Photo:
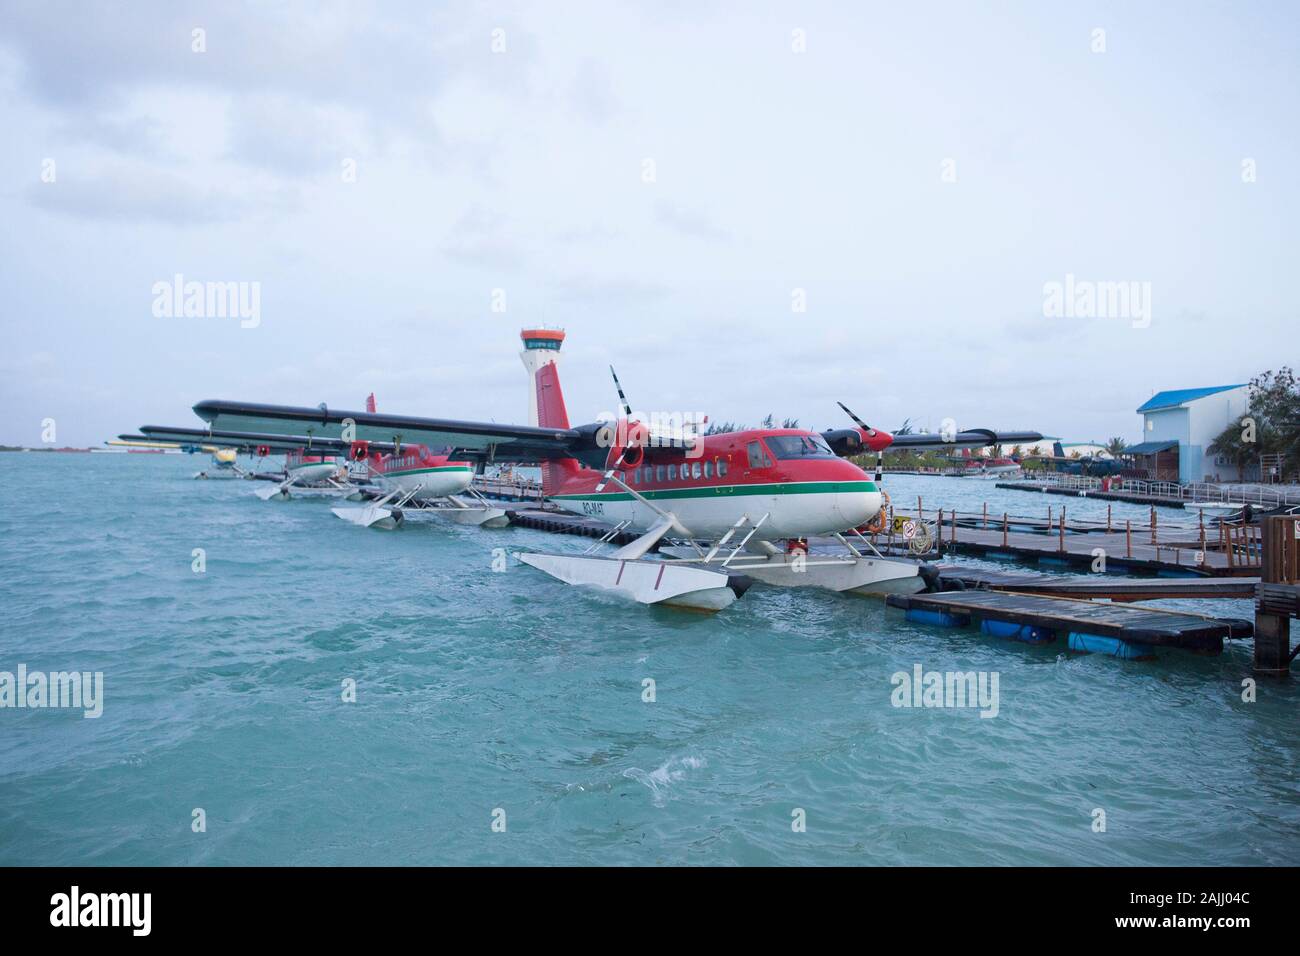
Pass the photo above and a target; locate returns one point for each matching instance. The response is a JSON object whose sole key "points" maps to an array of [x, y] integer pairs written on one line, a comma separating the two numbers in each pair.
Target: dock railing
{"points": [[515, 489], [1258, 496], [1190, 542]]}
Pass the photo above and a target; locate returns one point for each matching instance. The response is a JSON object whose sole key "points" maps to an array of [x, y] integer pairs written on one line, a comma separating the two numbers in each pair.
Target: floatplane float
{"points": [[706, 498]]}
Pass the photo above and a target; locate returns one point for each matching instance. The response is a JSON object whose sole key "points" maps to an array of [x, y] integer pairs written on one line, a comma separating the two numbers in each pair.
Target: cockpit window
{"points": [[799, 446]]}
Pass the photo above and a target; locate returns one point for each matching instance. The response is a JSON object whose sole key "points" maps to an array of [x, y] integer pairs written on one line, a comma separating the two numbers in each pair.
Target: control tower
{"points": [[541, 347]]}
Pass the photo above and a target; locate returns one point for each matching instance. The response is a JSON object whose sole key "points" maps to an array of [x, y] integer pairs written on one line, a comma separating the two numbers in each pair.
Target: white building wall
{"points": [[1209, 416]]}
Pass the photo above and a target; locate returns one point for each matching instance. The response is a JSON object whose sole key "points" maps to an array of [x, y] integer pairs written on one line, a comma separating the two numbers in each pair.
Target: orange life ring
{"points": [[877, 524]]}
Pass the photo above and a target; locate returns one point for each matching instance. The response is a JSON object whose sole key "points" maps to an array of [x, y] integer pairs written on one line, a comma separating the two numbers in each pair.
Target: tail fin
{"points": [[1057, 450], [551, 413], [370, 403]]}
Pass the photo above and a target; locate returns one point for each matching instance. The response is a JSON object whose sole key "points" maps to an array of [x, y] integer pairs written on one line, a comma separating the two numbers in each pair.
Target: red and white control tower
{"points": [[541, 347]]}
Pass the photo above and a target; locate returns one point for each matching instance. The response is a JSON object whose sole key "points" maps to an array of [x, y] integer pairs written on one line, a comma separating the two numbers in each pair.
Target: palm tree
{"points": [[1116, 447]]}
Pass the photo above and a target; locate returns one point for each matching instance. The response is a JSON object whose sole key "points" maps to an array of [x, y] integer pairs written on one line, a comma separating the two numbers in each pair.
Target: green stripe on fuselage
{"points": [[424, 471], [732, 491]]}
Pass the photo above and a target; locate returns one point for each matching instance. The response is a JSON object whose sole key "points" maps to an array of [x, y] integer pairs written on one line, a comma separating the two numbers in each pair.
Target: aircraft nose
{"points": [[857, 508]]}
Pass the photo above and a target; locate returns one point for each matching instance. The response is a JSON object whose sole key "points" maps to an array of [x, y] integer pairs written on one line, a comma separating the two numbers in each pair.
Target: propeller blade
{"points": [[622, 399], [857, 421], [610, 474]]}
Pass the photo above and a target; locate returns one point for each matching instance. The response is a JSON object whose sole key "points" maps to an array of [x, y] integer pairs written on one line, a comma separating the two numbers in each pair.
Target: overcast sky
{"points": [[525, 170]]}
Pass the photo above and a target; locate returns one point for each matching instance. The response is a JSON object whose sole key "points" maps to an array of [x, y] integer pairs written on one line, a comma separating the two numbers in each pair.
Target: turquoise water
{"points": [[479, 691]]}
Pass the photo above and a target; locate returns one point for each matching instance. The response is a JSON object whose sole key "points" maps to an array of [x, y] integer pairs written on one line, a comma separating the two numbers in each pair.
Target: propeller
{"points": [[857, 421], [871, 433]]}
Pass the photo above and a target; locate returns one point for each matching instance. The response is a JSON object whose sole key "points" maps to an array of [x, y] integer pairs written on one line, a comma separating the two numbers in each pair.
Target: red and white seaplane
{"points": [[414, 478], [716, 495], [410, 477]]}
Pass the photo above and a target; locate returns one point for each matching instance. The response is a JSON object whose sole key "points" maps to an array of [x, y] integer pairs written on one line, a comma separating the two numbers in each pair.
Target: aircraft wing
{"points": [[971, 438], [467, 440], [244, 442]]}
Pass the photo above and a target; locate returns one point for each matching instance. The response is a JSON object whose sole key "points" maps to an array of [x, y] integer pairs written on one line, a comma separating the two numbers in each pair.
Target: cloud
{"points": [[687, 222], [123, 194], [480, 238], [592, 93], [609, 292]]}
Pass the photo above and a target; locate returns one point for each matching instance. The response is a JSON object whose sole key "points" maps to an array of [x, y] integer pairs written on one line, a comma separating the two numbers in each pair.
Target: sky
{"points": [[744, 207]]}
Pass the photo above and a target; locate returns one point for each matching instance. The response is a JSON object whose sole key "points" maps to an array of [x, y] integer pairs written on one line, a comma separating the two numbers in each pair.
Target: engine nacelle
{"points": [[626, 439], [632, 457], [359, 451], [846, 442]]}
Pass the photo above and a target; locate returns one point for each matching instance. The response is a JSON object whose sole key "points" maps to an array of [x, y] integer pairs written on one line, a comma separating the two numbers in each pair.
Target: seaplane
{"points": [[415, 479], [1097, 466], [224, 463], [707, 498], [410, 476], [967, 465]]}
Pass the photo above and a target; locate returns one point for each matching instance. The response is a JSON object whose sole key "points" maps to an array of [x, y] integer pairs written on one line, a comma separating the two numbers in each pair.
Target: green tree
{"points": [[1271, 425], [1116, 447]]}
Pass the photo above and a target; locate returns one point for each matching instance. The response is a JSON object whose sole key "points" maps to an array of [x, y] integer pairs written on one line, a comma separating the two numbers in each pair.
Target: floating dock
{"points": [[954, 577], [1119, 630], [1131, 497], [561, 522]]}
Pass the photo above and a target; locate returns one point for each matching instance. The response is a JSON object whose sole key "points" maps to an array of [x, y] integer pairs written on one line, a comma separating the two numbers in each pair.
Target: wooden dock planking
{"points": [[1098, 586], [1125, 622]]}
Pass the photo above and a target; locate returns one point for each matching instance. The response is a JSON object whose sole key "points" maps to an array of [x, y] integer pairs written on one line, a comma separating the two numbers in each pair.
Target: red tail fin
{"points": [[551, 413], [370, 403]]}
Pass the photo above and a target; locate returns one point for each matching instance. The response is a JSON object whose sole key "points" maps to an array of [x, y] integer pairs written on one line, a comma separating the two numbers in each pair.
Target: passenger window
{"points": [[672, 472], [695, 470], [722, 468], [757, 458], [659, 473], [708, 469]]}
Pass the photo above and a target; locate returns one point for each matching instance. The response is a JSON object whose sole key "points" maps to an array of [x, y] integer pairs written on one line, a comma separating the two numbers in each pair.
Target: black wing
{"points": [[466, 440]]}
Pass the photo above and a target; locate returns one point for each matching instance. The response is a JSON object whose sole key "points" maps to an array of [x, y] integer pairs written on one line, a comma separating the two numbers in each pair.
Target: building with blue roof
{"points": [[1179, 424]]}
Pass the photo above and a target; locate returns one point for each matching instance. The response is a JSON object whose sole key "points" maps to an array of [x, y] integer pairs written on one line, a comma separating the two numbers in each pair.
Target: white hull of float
{"points": [[645, 581], [482, 517], [864, 575], [391, 510], [370, 516]]}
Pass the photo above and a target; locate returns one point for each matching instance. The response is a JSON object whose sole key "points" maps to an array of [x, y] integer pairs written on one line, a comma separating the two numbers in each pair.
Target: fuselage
{"points": [[416, 469], [790, 475], [304, 465]]}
